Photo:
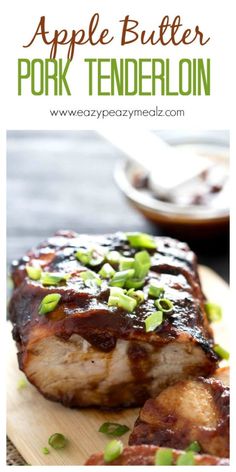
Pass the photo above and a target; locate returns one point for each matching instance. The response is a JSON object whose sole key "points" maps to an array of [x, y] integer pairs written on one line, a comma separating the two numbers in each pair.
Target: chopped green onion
{"points": [[221, 352], [118, 298], [113, 257], [134, 283], [33, 273], [49, 303], [194, 446], [155, 291], [136, 294], [187, 458], [84, 256], [141, 240], [45, 450], [126, 263], [164, 456], [106, 271], [119, 278], [113, 450], [113, 429], [53, 279], [164, 305], [96, 261], [91, 279], [213, 311], [57, 441], [22, 383], [130, 292], [142, 264], [153, 321]]}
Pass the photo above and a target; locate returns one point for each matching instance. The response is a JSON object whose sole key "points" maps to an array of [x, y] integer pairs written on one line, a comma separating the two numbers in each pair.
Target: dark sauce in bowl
{"points": [[209, 189], [198, 210]]}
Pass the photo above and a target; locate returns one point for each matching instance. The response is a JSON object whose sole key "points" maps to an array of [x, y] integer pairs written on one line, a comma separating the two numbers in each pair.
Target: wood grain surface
{"points": [[32, 418]]}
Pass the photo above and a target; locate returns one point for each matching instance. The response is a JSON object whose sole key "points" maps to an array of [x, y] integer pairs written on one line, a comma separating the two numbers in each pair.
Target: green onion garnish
{"points": [[33, 273], [119, 299], [134, 283], [119, 278], [49, 278], [142, 264], [45, 450], [113, 429], [95, 261], [136, 294], [106, 271], [113, 450], [194, 446], [113, 257], [22, 383], [187, 458], [153, 321], [213, 311], [91, 279], [155, 291], [49, 303], [141, 240], [126, 263], [164, 456], [221, 352], [86, 257], [57, 441], [164, 305]]}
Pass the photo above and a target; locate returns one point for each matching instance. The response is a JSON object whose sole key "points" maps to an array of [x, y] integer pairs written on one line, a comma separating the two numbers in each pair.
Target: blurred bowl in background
{"points": [[181, 219]]}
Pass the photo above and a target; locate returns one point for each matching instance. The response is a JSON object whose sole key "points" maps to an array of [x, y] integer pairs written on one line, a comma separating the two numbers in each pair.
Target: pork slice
{"points": [[145, 455], [190, 410]]}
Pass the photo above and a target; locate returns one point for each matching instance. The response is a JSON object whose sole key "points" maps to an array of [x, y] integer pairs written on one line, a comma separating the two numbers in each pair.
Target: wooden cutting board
{"points": [[31, 419]]}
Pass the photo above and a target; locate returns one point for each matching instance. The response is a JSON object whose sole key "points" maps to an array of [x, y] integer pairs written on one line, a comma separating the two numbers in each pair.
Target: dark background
{"points": [[64, 180]]}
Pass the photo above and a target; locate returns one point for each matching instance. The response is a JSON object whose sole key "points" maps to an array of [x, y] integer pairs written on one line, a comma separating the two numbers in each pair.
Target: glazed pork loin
{"points": [[109, 320]]}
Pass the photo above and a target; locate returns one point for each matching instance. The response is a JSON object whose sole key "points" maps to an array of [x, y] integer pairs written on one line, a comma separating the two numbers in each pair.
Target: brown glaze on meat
{"points": [[83, 323], [190, 410], [145, 455]]}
